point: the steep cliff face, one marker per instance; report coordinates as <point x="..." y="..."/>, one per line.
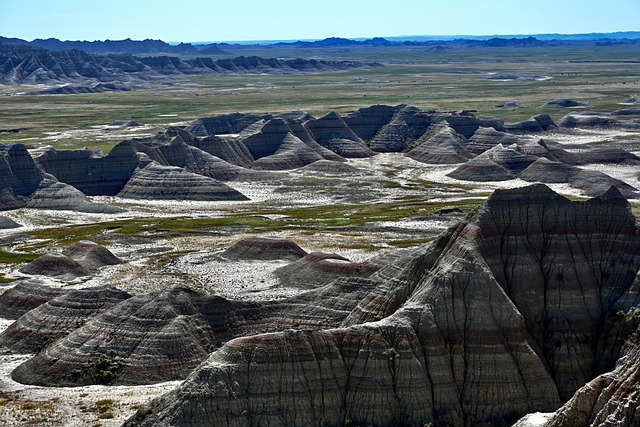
<point x="24" y="184"/>
<point x="611" y="399"/>
<point x="506" y="313"/>
<point x="90" y="173"/>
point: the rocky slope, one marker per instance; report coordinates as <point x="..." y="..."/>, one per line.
<point x="508" y="312"/>
<point x="250" y="147"/>
<point x="24" y="184"/>
<point x="23" y="64"/>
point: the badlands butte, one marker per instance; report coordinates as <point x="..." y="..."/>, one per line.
<point x="384" y="265"/>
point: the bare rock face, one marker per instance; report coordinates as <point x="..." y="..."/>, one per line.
<point x="24" y="184"/>
<point x="92" y="173"/>
<point x="332" y="132"/>
<point x="228" y="149"/>
<point x="440" y="145"/>
<point x="264" y="248"/>
<point x="275" y="147"/>
<point x="220" y="125"/>
<point x="596" y="120"/>
<point x="507" y="313"/>
<point x="24" y="296"/>
<point x="591" y="183"/>
<point x="57" y="317"/>
<point x="18" y="172"/>
<point x="146" y="338"/>
<point x="537" y="123"/>
<point x="319" y="268"/>
<point x="611" y="399"/>
<point x="180" y="151"/>
<point x="366" y="122"/>
<point x="52" y="194"/>
<point x="565" y="103"/>
<point x="7" y="223"/>
<point x="157" y="182"/>
<point x="55" y="265"/>
<point x="91" y="255"/>
<point x="407" y="125"/>
<point x="291" y="154"/>
<point x="496" y="164"/>
<point x="525" y="126"/>
<point x="485" y="138"/>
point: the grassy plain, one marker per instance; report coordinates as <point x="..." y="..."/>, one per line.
<point x="448" y="80"/>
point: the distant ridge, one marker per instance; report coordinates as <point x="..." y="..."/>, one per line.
<point x="25" y="64"/>
<point x="149" y="46"/>
<point x="127" y="46"/>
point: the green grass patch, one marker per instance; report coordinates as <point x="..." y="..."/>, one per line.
<point x="16" y="258"/>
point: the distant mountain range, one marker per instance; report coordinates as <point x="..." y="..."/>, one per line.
<point x="127" y="46"/>
<point x="26" y="64"/>
<point x="156" y="47"/>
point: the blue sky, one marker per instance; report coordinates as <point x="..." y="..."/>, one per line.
<point x="211" y="20"/>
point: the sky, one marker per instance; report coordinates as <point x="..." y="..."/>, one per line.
<point x="237" y="20"/>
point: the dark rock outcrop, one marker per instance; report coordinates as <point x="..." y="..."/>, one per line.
<point x="24" y="64"/>
<point x="366" y="122"/>
<point x="564" y="103"/>
<point x="274" y="146"/>
<point x="486" y="138"/>
<point x="332" y="132"/>
<point x="407" y="125"/>
<point x="507" y="313"/>
<point x="156" y="182"/>
<point x="611" y="399"/>
<point x="180" y="151"/>
<point x="6" y="223"/>
<point x="440" y="145"/>
<point x="146" y="338"/>
<point x="597" y="120"/>
<point x="319" y="269"/>
<point x="24" y="296"/>
<point x="56" y="265"/>
<point x="24" y="184"/>
<point x="91" y="255"/>
<point x="57" y="317"/>
<point x="496" y="164"/>
<point x="92" y="173"/>
<point x="591" y="183"/>
<point x="221" y="125"/>
<point x="265" y="248"/>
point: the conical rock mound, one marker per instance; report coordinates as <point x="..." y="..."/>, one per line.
<point x="156" y="182"/>
<point x="505" y="314"/>
<point x="264" y="248"/>
<point x="59" y="316"/>
<point x="24" y="296"/>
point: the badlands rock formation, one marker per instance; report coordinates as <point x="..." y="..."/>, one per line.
<point x="55" y="265"/>
<point x="57" y="317"/>
<point x="320" y="268"/>
<point x="24" y="184"/>
<point x="264" y="248"/>
<point x="23" y="64"/>
<point x="24" y="296"/>
<point x="192" y="162"/>
<point x="152" y="181"/>
<point x="75" y="261"/>
<point x="7" y="223"/>
<point x="508" y="312"/>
